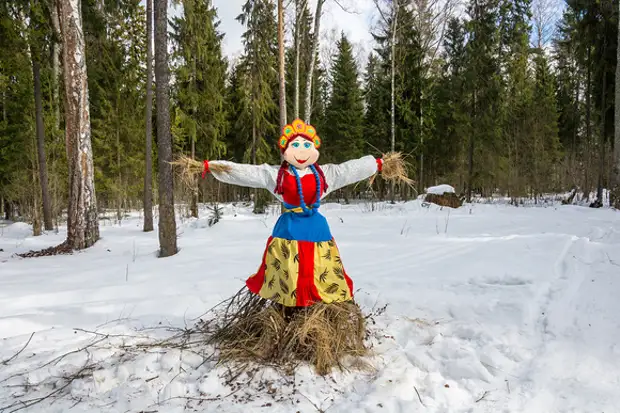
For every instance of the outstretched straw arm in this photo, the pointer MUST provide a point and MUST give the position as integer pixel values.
(391, 166)
(394, 169)
(251, 176)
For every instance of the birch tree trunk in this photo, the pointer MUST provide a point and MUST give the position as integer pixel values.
(282, 69)
(148, 147)
(82, 223)
(315, 50)
(393, 75)
(393, 91)
(167, 223)
(615, 184)
(300, 8)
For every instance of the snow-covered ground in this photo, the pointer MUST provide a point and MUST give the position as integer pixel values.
(491, 308)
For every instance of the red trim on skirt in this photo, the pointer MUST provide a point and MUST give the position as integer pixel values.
(255, 283)
(307, 294)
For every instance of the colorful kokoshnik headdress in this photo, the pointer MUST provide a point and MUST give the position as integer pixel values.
(298, 129)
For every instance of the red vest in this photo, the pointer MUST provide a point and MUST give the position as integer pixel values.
(308, 185)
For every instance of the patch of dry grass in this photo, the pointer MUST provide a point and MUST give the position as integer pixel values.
(249, 329)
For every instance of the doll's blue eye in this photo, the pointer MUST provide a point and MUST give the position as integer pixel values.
(307, 145)
(295, 144)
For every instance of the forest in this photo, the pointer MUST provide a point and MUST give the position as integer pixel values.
(516, 98)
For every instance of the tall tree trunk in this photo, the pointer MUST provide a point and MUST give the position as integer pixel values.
(36, 217)
(603, 140)
(56, 50)
(167, 223)
(602, 143)
(297, 52)
(421, 185)
(148, 147)
(313, 53)
(470, 173)
(393, 89)
(393, 76)
(615, 184)
(38, 103)
(194, 203)
(194, 189)
(82, 222)
(587, 154)
(573, 154)
(119, 178)
(282, 70)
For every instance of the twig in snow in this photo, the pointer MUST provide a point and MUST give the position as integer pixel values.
(508, 385)
(29, 403)
(7, 361)
(612, 261)
(106, 335)
(419, 397)
(118, 320)
(56, 360)
(485, 394)
(318, 409)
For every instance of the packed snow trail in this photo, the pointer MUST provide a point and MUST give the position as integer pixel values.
(490, 309)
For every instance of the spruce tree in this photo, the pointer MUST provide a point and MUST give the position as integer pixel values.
(344, 129)
(377, 99)
(258, 119)
(484, 91)
(200, 84)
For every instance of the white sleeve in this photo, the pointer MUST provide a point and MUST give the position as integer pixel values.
(349, 172)
(252, 176)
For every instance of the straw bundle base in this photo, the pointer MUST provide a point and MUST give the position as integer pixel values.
(250, 330)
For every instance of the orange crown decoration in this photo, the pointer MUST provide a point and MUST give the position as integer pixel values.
(299, 128)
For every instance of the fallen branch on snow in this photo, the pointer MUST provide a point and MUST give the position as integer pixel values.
(7, 361)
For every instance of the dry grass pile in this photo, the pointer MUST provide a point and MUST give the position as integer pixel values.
(448, 199)
(251, 330)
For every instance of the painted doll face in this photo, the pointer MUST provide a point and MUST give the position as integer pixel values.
(301, 153)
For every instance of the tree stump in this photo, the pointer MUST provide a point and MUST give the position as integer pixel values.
(443, 195)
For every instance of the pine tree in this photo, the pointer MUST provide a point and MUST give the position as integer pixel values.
(453, 119)
(167, 223)
(483, 90)
(37, 37)
(343, 131)
(148, 115)
(258, 119)
(377, 99)
(545, 127)
(17, 103)
(200, 83)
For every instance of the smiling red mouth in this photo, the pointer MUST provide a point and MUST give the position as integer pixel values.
(300, 161)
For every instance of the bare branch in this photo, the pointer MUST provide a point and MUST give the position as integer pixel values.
(346, 9)
(419, 397)
(21, 404)
(383, 16)
(7, 361)
(485, 394)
